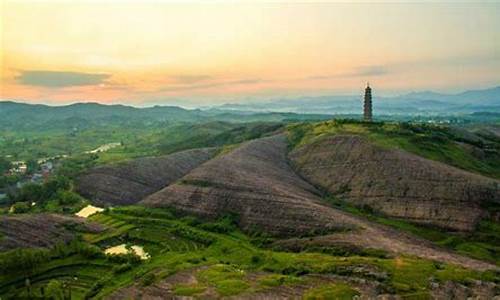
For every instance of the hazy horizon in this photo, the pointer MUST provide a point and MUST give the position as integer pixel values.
(200, 54)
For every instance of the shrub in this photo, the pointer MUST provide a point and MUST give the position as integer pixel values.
(90, 251)
(54, 290)
(95, 288)
(256, 259)
(21, 207)
(124, 258)
(148, 279)
(122, 268)
(295, 270)
(226, 224)
(22, 260)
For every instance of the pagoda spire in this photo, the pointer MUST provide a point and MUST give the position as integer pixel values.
(367, 106)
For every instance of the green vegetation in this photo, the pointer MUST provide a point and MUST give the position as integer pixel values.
(137, 140)
(67, 147)
(54, 195)
(221, 261)
(441, 143)
(227, 280)
(338, 291)
(274, 280)
(5, 165)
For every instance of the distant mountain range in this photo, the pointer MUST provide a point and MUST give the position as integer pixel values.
(22, 116)
(417, 103)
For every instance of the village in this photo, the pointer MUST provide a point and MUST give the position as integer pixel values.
(15, 174)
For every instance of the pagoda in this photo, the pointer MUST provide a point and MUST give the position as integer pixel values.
(367, 106)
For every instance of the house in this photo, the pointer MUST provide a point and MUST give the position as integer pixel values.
(19, 167)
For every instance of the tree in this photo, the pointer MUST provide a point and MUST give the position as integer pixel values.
(31, 166)
(21, 207)
(29, 193)
(5, 165)
(55, 290)
(67, 197)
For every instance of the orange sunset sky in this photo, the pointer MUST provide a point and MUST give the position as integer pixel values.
(199, 53)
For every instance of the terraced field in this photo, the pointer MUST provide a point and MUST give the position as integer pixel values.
(223, 264)
(77, 272)
(122, 225)
(114, 228)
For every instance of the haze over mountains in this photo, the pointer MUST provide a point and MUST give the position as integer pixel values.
(415, 103)
(17, 116)
(412, 104)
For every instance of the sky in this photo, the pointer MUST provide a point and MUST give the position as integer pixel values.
(201, 53)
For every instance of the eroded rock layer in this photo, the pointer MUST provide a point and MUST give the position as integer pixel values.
(255, 182)
(41, 230)
(129, 182)
(397, 183)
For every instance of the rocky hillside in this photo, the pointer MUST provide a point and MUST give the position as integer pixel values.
(255, 182)
(396, 183)
(130, 182)
(41, 230)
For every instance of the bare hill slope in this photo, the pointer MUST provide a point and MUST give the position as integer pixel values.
(129, 182)
(395, 182)
(40, 230)
(256, 182)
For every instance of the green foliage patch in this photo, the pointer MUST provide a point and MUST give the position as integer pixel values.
(435, 142)
(224, 263)
(340, 291)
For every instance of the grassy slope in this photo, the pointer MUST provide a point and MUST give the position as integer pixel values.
(432, 142)
(138, 141)
(179, 244)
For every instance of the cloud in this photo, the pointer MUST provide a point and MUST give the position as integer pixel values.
(57, 79)
(370, 71)
(213, 84)
(357, 72)
(190, 79)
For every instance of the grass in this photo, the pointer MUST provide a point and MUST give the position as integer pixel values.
(340, 291)
(433, 142)
(274, 280)
(231, 287)
(224, 264)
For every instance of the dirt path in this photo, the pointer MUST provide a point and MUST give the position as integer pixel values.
(383, 237)
(373, 235)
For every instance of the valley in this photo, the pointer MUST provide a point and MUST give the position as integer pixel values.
(312, 209)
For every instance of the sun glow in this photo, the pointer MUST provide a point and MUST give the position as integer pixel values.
(140, 52)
